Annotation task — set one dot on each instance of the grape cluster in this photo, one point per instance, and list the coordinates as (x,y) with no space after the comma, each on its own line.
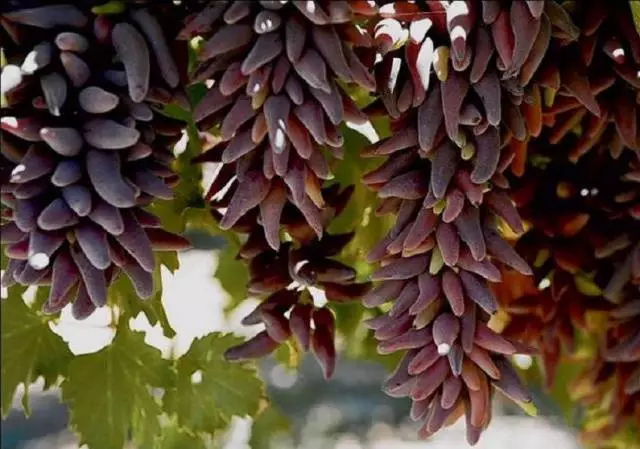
(83,152)
(455,79)
(581,244)
(593,93)
(512,172)
(277,70)
(276,99)
(583,207)
(284,277)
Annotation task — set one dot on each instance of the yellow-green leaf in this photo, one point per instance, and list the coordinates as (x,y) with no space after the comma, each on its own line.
(635,12)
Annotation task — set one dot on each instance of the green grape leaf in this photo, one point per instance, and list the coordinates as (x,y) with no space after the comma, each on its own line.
(209,391)
(122,293)
(635,11)
(269,423)
(172,436)
(169,259)
(289,354)
(109,392)
(232,274)
(29,349)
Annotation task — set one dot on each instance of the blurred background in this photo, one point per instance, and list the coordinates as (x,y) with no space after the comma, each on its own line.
(349,412)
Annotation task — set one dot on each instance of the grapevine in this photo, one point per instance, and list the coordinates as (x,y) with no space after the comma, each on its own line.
(493,214)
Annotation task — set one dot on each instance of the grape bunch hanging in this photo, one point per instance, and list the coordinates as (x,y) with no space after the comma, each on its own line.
(511,175)
(83,151)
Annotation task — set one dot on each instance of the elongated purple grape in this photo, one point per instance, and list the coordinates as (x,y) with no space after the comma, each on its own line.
(487,155)
(509,382)
(276,325)
(445,330)
(478,292)
(49,16)
(107,134)
(31,189)
(66,173)
(249,194)
(135,241)
(401,140)
(448,243)
(443,168)
(504,252)
(77,70)
(323,349)
(470,231)
(54,89)
(78,198)
(30,276)
(453,291)
(429,380)
(151,28)
(26,214)
(384,292)
(331,102)
(82,306)
(484,50)
(162,240)
(71,41)
(403,268)
(412,185)
(93,242)
(489,91)
(491,341)
(64,141)
(405,299)
(29,129)
(10,78)
(105,175)
(151,184)
(412,339)
(57,215)
(65,276)
(42,245)
(36,162)
(132,50)
(141,279)
(96,100)
(454,91)
(37,58)
(93,278)
(10,233)
(430,289)
(258,346)
(312,69)
(18,250)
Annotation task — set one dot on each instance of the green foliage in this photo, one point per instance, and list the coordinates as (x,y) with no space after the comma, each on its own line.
(123,295)
(232,273)
(117,382)
(208,391)
(635,11)
(173,436)
(29,349)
